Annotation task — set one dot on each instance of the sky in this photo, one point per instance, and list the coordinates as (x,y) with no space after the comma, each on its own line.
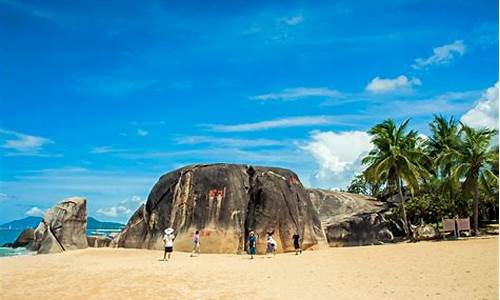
(100,98)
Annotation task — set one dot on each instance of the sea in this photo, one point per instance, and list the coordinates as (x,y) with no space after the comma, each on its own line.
(10,235)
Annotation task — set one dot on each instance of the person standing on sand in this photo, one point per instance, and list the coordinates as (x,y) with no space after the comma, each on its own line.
(169,238)
(196,244)
(271,246)
(296,243)
(251,244)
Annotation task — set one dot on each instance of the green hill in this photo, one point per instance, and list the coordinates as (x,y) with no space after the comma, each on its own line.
(92,223)
(22,223)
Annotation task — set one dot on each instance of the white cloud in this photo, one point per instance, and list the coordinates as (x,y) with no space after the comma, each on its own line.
(5,197)
(34,212)
(142,132)
(385,85)
(22,143)
(298,93)
(103,149)
(485,111)
(230,142)
(277,123)
(110,149)
(114,212)
(442,55)
(338,156)
(123,209)
(294,20)
(447,103)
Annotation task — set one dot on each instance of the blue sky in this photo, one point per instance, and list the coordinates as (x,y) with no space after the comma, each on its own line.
(100,98)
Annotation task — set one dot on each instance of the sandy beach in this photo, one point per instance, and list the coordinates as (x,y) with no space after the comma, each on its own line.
(464,269)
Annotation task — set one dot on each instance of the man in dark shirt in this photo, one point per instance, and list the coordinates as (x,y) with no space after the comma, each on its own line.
(296,243)
(252,244)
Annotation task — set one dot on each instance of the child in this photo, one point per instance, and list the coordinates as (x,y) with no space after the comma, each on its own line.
(251,244)
(196,244)
(169,238)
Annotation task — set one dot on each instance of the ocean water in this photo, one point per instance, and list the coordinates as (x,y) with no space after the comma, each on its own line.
(10,235)
(15,252)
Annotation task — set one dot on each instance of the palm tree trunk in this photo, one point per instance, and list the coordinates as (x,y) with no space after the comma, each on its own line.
(405,218)
(452,198)
(476,210)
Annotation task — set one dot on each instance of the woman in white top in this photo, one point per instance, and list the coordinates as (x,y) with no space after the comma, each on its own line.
(169,238)
(271,246)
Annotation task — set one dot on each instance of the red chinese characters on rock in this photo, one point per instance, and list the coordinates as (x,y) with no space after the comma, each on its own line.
(211,194)
(215,197)
(203,233)
(220,194)
(294,180)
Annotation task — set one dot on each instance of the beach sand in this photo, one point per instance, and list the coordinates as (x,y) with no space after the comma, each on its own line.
(463,269)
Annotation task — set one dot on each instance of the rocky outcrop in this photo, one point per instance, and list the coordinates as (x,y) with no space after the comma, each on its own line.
(352,219)
(424,232)
(225,202)
(62,227)
(25,238)
(96,241)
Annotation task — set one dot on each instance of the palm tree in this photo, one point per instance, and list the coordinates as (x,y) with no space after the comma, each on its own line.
(473,160)
(445,136)
(396,157)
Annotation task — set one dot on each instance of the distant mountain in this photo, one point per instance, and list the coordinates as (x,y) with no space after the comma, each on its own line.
(33,222)
(93,223)
(23,223)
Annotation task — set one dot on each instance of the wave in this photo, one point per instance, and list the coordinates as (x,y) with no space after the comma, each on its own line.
(5,251)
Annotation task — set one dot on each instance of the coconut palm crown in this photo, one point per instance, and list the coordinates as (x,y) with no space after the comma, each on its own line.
(397,158)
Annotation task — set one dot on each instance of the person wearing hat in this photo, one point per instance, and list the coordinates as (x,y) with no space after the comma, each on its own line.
(169,238)
(251,244)
(271,246)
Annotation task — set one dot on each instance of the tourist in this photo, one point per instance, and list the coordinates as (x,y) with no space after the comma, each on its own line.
(169,238)
(252,244)
(296,243)
(271,246)
(196,244)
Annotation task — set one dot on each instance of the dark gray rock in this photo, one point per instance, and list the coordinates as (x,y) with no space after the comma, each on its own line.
(225,202)
(26,237)
(352,219)
(62,228)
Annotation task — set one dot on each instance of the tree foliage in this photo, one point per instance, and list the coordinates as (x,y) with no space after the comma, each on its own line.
(451,173)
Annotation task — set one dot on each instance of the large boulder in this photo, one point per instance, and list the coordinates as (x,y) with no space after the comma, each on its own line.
(225,202)
(62,228)
(352,219)
(25,238)
(97,241)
